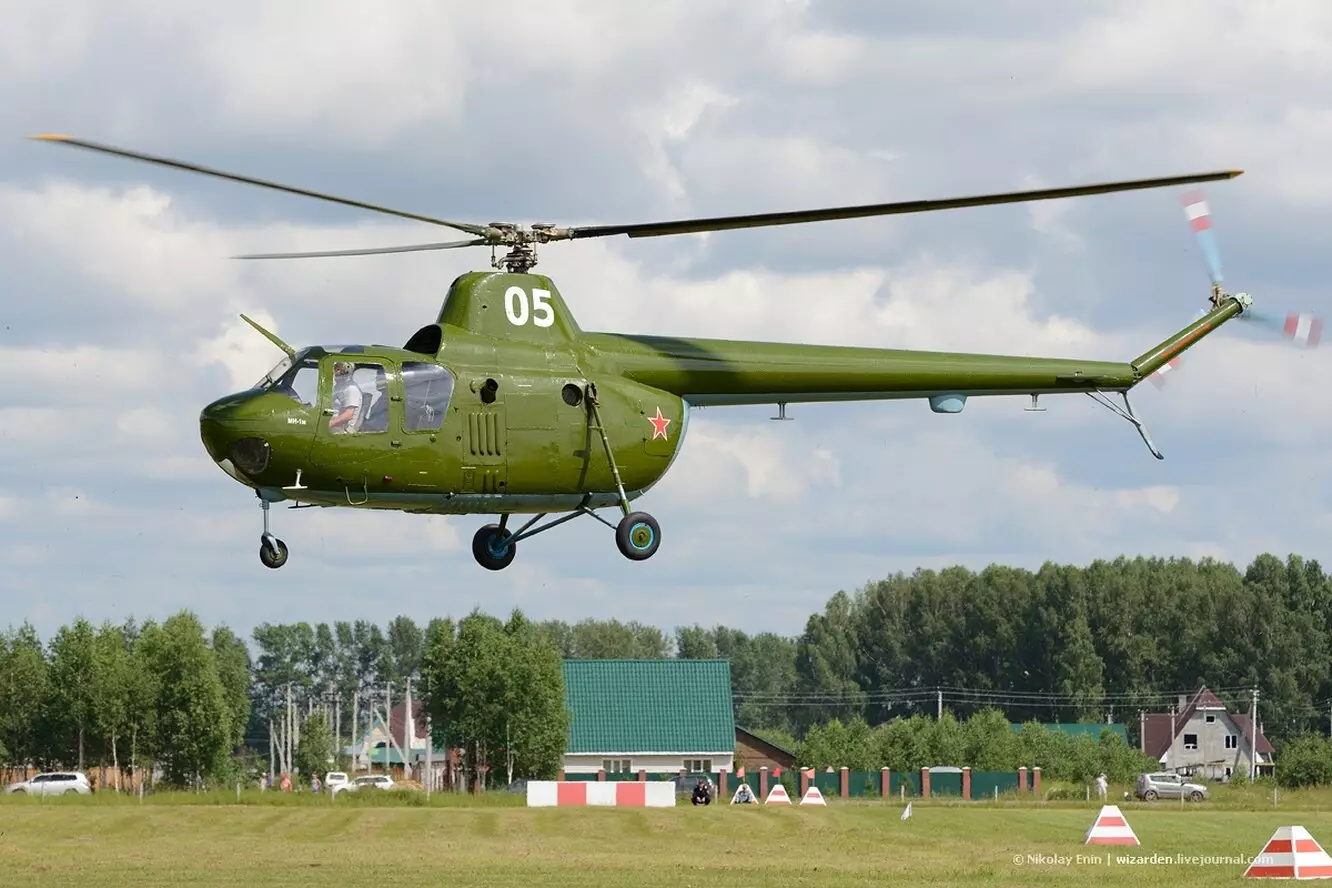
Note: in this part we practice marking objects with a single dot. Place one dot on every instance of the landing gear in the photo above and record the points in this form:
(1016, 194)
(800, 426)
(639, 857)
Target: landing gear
(637, 535)
(272, 551)
(493, 546)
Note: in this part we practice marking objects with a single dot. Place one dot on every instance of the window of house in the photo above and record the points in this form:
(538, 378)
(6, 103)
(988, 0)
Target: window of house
(1232, 742)
(698, 766)
(615, 766)
(1190, 741)
(1211, 719)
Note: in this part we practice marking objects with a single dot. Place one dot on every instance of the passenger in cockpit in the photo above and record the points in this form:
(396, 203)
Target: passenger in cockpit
(346, 399)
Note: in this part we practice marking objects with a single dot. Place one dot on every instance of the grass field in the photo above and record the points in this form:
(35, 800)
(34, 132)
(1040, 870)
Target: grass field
(275, 839)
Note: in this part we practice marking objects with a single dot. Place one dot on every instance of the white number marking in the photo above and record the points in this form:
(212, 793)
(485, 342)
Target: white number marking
(517, 316)
(542, 314)
(517, 310)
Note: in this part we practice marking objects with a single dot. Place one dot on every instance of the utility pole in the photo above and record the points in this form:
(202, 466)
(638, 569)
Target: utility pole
(1172, 734)
(356, 724)
(1253, 738)
(939, 713)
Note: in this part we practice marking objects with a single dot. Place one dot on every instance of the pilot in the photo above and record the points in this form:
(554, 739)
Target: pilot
(346, 399)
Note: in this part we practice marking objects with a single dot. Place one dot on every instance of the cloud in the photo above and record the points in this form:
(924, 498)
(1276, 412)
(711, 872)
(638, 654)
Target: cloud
(122, 302)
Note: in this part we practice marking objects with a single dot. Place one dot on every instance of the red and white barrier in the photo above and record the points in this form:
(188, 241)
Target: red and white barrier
(611, 793)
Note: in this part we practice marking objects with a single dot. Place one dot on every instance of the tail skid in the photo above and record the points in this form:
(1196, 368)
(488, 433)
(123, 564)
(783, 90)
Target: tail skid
(1127, 413)
(1224, 308)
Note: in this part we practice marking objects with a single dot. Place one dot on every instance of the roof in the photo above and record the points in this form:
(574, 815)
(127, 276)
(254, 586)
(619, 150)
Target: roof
(1156, 726)
(748, 736)
(649, 706)
(1073, 729)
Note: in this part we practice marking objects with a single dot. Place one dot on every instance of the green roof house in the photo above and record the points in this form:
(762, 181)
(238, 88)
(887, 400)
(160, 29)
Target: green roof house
(652, 715)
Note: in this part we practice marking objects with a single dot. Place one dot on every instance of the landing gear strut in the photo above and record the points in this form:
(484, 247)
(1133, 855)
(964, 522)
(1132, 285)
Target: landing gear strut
(272, 551)
(637, 535)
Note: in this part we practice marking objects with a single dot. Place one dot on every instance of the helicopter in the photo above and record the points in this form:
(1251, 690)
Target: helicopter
(505, 406)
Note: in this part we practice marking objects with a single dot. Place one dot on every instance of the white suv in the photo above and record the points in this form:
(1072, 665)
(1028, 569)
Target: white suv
(375, 781)
(54, 783)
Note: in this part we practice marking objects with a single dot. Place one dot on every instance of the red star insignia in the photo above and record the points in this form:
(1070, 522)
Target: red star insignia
(659, 424)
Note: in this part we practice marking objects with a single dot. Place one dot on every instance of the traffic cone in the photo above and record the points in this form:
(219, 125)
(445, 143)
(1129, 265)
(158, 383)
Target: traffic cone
(1111, 828)
(813, 797)
(1291, 853)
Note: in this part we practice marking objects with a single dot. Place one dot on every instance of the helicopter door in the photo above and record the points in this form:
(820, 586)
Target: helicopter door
(428, 464)
(354, 422)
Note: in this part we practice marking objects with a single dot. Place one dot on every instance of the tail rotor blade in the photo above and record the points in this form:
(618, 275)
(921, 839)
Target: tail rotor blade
(1159, 377)
(1200, 220)
(1301, 328)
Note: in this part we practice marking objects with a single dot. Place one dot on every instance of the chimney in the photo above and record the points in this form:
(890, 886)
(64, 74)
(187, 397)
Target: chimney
(1183, 702)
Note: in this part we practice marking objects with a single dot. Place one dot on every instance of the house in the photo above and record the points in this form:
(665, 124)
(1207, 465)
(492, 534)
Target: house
(1199, 737)
(378, 747)
(658, 716)
(755, 752)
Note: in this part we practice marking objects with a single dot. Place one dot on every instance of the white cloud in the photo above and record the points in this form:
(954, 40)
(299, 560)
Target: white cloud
(126, 317)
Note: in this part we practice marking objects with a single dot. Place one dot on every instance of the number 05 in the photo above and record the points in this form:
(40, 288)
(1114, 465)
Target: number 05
(516, 307)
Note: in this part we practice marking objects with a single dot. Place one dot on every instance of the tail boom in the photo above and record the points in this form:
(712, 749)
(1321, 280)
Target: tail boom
(1167, 353)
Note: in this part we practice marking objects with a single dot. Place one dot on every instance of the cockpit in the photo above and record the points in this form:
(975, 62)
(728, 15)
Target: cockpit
(360, 389)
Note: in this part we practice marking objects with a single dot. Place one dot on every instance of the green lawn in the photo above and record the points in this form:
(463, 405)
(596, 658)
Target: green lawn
(295, 839)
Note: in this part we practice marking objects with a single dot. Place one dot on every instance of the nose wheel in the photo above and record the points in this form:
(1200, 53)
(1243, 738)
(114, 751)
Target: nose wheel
(272, 551)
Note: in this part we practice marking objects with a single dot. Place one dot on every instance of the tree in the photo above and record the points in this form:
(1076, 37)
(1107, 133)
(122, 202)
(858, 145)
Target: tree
(72, 656)
(496, 692)
(233, 670)
(193, 718)
(112, 690)
(315, 749)
(24, 696)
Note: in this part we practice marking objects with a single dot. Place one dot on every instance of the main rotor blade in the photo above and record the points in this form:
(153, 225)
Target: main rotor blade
(724, 223)
(193, 168)
(372, 251)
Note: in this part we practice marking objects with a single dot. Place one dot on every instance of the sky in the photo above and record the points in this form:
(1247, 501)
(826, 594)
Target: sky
(121, 304)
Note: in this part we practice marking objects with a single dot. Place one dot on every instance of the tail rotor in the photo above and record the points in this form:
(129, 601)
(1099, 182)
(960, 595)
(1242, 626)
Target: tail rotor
(1301, 328)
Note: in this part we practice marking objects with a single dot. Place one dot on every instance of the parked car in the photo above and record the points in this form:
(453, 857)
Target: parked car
(335, 780)
(54, 783)
(371, 781)
(1168, 786)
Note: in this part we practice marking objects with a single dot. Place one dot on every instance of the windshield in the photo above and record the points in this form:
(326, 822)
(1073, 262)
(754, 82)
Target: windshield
(280, 368)
(298, 381)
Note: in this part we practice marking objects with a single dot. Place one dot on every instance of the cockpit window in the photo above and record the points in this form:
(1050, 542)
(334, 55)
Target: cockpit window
(300, 383)
(281, 368)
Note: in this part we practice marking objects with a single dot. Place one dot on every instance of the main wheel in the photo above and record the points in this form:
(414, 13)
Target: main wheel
(271, 558)
(489, 550)
(638, 536)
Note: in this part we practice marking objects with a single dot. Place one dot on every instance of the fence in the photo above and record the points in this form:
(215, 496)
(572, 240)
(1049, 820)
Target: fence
(927, 783)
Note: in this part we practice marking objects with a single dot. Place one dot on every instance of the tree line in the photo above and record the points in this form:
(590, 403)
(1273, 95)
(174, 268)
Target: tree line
(1062, 643)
